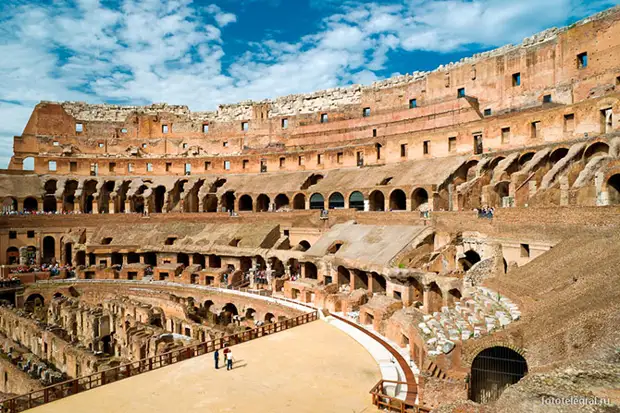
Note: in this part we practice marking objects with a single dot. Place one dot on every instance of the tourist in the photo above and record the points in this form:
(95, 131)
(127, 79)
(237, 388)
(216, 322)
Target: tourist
(216, 357)
(229, 360)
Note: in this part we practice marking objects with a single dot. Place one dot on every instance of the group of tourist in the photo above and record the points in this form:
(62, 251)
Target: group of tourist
(35, 212)
(485, 212)
(54, 269)
(260, 277)
(228, 357)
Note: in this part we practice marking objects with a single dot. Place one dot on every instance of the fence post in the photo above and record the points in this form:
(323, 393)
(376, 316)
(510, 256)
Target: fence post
(102, 378)
(46, 396)
(76, 386)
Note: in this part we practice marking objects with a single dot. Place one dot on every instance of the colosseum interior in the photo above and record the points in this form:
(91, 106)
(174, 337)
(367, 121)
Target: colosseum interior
(459, 226)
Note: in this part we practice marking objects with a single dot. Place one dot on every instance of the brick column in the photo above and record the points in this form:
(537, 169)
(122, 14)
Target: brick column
(426, 296)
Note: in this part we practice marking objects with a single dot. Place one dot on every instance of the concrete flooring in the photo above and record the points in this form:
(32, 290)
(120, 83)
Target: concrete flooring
(311, 368)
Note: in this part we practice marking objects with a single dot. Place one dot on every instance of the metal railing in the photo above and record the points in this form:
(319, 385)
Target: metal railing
(383, 401)
(81, 384)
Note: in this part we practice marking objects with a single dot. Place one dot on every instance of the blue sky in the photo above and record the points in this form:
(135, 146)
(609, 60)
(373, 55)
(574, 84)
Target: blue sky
(205, 52)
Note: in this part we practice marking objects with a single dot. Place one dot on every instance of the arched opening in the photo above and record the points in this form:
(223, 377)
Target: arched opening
(317, 201)
(336, 200)
(245, 203)
(249, 314)
(210, 203)
(525, 158)
(28, 164)
(303, 245)
(68, 202)
(356, 201)
(596, 149)
(150, 258)
(30, 204)
(90, 187)
(49, 249)
(158, 197)
(12, 255)
(613, 190)
(299, 202)
(270, 318)
(454, 295)
(183, 258)
(9, 204)
(376, 201)
(502, 189)
(398, 200)
(419, 198)
(435, 299)
(344, 276)
(492, 371)
(34, 301)
(228, 311)
(49, 203)
(495, 162)
(80, 258)
(262, 203)
(228, 200)
(68, 254)
(310, 271)
(471, 257)
(281, 201)
(557, 155)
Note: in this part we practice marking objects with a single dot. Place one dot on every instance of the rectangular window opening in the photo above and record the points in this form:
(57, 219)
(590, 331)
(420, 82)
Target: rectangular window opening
(487, 112)
(525, 250)
(582, 60)
(569, 122)
(505, 135)
(516, 79)
(284, 123)
(324, 118)
(73, 166)
(403, 150)
(452, 144)
(79, 128)
(168, 166)
(339, 157)
(245, 164)
(30, 234)
(427, 147)
(205, 128)
(547, 99)
(149, 167)
(207, 165)
(300, 160)
(164, 128)
(130, 167)
(413, 103)
(51, 166)
(366, 112)
(227, 165)
(461, 93)
(282, 162)
(112, 166)
(245, 126)
(319, 159)
(535, 132)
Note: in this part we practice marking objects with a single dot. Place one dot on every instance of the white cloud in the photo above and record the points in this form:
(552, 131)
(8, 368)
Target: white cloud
(172, 50)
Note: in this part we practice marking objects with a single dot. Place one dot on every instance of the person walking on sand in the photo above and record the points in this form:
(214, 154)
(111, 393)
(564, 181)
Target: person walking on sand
(229, 360)
(216, 357)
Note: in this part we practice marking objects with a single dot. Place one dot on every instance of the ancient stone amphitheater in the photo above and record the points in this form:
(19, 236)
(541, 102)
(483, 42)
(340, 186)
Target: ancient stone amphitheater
(460, 227)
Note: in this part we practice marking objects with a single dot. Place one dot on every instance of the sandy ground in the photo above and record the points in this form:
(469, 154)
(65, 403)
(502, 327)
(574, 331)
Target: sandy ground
(311, 368)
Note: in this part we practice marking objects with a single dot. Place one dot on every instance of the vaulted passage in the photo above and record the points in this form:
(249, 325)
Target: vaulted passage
(398, 200)
(299, 202)
(336, 200)
(613, 189)
(317, 201)
(377, 201)
(245, 203)
(471, 257)
(492, 371)
(356, 201)
(419, 198)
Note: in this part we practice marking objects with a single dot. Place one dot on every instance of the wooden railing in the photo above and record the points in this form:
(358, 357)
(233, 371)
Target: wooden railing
(81, 384)
(381, 399)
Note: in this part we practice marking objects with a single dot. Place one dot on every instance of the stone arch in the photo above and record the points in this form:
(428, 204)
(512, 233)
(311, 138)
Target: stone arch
(28, 163)
(12, 255)
(419, 197)
(209, 203)
(344, 276)
(49, 249)
(454, 295)
(356, 200)
(310, 271)
(398, 200)
(502, 189)
(80, 258)
(557, 155)
(68, 253)
(159, 195)
(228, 311)
(88, 198)
(68, 200)
(299, 201)
(9, 204)
(317, 201)
(34, 300)
(270, 318)
(228, 200)
(471, 257)
(596, 149)
(30, 204)
(435, 298)
(303, 245)
(376, 201)
(262, 203)
(493, 164)
(613, 190)
(310, 181)
(245, 203)
(281, 201)
(493, 370)
(249, 313)
(336, 200)
(525, 158)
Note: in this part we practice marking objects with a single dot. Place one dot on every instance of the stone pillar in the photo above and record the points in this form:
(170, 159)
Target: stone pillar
(60, 205)
(127, 206)
(451, 198)
(141, 258)
(95, 206)
(373, 284)
(426, 297)
(111, 209)
(20, 204)
(346, 202)
(308, 202)
(366, 204)
(76, 206)
(564, 191)
(40, 204)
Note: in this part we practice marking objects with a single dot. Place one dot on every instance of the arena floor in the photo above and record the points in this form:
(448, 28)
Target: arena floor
(311, 368)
